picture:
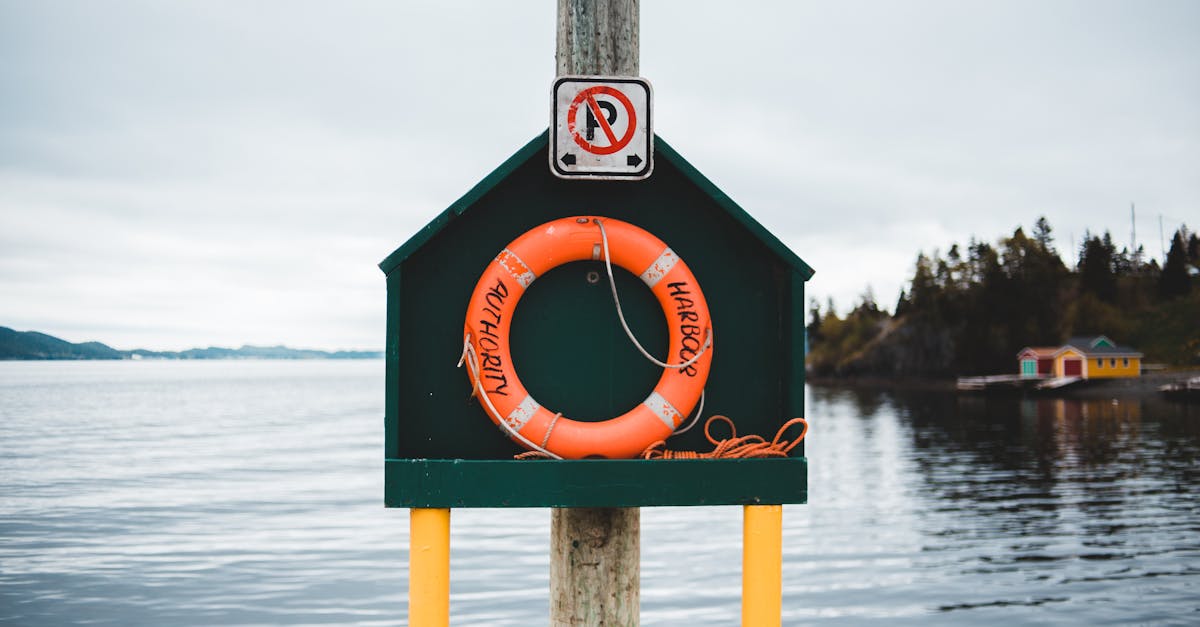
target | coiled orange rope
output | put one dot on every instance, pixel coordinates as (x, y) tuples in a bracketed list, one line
[(748, 446), (733, 447)]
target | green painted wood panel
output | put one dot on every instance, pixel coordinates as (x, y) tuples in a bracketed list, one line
[(567, 343), (594, 483)]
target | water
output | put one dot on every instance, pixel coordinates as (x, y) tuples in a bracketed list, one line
[(250, 493)]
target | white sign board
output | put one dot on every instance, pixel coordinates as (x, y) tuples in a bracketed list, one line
[(600, 128)]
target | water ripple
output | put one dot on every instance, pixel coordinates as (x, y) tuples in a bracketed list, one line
[(250, 493)]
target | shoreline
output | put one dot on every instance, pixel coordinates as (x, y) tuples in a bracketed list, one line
[(1145, 386)]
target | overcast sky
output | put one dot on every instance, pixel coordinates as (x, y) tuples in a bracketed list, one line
[(178, 174)]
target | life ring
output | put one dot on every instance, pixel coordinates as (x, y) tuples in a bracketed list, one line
[(489, 320)]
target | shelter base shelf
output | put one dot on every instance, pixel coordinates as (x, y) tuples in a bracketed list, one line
[(452, 483)]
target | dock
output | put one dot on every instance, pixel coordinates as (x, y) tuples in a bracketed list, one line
[(1187, 390), (1013, 382)]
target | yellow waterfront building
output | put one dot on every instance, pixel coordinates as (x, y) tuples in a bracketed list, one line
[(1083, 357)]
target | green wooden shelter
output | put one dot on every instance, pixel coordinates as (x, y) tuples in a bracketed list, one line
[(442, 450)]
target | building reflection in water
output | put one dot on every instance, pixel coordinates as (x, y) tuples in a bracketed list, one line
[(1071, 410)]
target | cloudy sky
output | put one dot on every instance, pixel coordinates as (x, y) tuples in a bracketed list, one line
[(178, 174)]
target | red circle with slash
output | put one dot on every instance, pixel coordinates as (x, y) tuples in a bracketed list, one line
[(588, 96)]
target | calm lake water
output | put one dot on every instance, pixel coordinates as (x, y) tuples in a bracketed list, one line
[(250, 493)]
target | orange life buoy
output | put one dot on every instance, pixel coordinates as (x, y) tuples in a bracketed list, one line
[(489, 319)]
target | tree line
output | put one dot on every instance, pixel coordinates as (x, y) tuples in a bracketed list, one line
[(971, 310)]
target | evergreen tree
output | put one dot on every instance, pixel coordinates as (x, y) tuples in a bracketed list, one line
[(1119, 259), (1041, 235), (955, 269), (867, 301), (1138, 259), (923, 289), (814, 320), (983, 264), (971, 311), (1123, 263), (902, 304), (1174, 280), (1028, 303), (1015, 253), (1096, 271)]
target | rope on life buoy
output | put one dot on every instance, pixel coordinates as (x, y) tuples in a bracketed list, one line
[(621, 316), (752, 446), (612, 284), (493, 305), (472, 362), (540, 452), (733, 447)]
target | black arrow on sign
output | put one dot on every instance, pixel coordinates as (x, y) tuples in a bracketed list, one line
[(633, 160), (568, 159)]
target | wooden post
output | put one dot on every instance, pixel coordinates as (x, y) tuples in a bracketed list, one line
[(429, 567), (595, 562), (598, 37), (595, 553)]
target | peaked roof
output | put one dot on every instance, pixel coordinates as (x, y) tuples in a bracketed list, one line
[(1100, 345), (537, 147), (1088, 346)]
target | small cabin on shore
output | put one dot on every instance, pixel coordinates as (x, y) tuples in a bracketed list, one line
[(1083, 357), (1037, 361)]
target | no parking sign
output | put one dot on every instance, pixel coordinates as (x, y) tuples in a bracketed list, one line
[(600, 128)]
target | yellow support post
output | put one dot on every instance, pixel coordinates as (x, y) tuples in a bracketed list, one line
[(429, 567), (762, 565)]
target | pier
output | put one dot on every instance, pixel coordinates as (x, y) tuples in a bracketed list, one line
[(1014, 382)]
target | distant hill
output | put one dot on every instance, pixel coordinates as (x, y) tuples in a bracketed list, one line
[(19, 345), (34, 345)]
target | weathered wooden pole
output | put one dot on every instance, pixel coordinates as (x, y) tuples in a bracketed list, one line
[(598, 37), (595, 561), (595, 553)]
